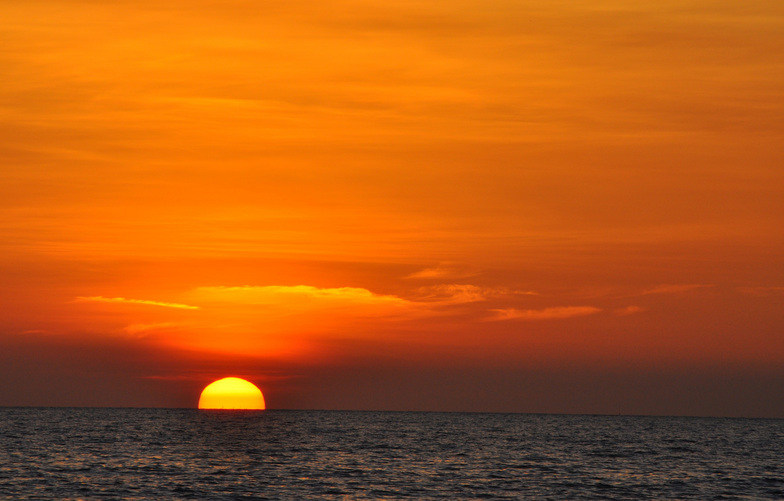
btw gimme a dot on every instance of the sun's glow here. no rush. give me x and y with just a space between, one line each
231 393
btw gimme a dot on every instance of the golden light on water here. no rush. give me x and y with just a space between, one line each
232 393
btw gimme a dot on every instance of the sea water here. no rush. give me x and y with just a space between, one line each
88 453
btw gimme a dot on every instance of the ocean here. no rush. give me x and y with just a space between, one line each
124 454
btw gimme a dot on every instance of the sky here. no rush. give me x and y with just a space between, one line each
497 205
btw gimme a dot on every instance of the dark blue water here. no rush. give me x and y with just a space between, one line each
56 453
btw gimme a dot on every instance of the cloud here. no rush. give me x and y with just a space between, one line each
465 293
455 293
629 310
675 289
101 299
285 320
300 297
441 272
544 314
201 375
761 291
142 328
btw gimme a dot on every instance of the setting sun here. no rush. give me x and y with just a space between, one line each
231 393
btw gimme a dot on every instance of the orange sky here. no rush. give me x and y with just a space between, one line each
528 206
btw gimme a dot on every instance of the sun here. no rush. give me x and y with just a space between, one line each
231 393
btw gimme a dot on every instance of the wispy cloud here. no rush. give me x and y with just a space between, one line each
675 288
142 328
454 293
441 272
285 319
302 298
465 293
101 299
761 291
544 314
209 375
629 310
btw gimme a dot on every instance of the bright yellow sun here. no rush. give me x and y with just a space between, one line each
231 393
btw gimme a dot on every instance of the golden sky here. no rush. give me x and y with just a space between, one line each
536 206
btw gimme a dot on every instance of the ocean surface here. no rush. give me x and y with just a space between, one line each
88 453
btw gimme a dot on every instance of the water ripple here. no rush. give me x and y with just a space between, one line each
140 454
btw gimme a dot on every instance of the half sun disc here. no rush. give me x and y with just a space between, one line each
231 393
